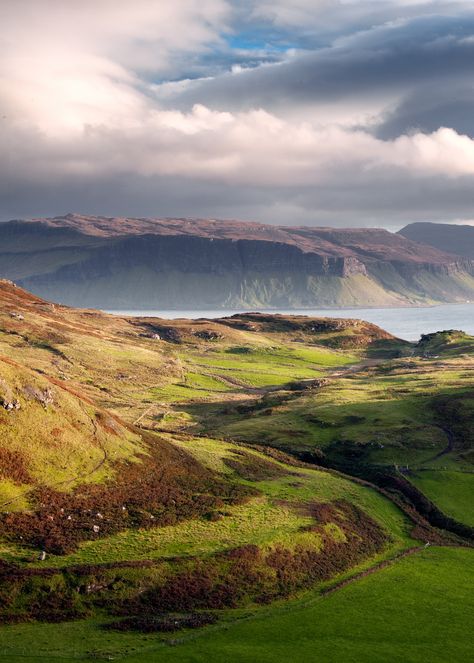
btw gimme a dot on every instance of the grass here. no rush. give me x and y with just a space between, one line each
417 610
260 522
277 516
209 372
303 485
452 492
14 494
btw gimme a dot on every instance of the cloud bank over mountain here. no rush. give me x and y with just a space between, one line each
337 113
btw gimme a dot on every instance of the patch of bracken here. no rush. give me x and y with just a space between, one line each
13 466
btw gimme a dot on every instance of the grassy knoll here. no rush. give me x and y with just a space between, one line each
447 343
55 438
417 610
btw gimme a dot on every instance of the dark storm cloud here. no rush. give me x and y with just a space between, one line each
391 204
394 58
429 107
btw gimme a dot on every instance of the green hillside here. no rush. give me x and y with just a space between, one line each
160 476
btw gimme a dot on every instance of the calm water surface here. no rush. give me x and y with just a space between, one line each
407 323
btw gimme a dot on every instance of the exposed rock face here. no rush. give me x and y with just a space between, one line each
195 263
443 236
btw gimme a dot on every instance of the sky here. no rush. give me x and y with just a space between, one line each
315 112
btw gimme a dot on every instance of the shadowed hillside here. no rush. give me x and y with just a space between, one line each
455 238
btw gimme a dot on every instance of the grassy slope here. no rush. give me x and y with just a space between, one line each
272 518
93 361
66 443
416 610
451 491
394 414
199 381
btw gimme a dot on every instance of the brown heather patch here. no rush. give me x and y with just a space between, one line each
13 466
162 487
175 589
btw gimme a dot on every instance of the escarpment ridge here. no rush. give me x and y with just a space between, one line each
200 263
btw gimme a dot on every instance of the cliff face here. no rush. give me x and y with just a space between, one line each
179 263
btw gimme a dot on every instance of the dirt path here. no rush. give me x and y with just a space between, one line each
354 368
145 413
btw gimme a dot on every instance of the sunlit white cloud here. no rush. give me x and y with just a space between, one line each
249 148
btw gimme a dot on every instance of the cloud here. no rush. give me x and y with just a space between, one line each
320 22
96 110
353 81
253 148
428 107
68 64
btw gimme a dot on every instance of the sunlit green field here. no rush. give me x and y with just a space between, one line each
453 492
419 609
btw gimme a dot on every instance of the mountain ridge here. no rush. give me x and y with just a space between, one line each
452 237
109 262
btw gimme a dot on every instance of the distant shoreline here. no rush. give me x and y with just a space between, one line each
407 322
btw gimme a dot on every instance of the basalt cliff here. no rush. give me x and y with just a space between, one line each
123 263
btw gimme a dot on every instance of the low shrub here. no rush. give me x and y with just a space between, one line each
163 623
